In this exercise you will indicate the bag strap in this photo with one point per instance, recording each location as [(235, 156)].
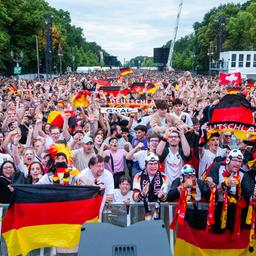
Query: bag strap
[(112, 162)]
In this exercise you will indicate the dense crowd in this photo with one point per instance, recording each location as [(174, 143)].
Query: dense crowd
[(152, 153)]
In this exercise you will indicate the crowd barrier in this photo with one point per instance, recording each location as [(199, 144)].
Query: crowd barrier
[(123, 216)]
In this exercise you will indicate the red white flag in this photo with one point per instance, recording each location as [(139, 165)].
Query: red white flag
[(234, 78)]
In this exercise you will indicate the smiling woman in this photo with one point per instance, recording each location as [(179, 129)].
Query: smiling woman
[(7, 169)]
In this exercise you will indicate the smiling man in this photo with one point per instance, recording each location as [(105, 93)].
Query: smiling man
[(232, 187), (150, 183), (208, 155)]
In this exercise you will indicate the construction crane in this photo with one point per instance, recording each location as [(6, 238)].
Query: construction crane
[(169, 61)]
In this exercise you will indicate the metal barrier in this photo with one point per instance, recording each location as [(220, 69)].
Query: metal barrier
[(120, 215)]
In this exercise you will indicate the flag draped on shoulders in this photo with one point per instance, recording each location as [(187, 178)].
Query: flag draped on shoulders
[(48, 216), (233, 113)]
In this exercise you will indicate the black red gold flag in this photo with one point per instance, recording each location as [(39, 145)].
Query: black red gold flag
[(233, 113), (126, 71), (48, 216)]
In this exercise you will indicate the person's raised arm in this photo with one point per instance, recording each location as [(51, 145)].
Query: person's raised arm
[(163, 141), (130, 155), (29, 136), (184, 143)]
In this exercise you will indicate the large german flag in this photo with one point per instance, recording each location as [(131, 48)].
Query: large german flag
[(193, 242), (48, 216), (233, 114), (126, 71), (110, 90)]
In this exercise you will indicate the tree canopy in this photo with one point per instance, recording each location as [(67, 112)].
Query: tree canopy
[(22, 20)]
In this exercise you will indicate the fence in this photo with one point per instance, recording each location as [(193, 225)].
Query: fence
[(122, 216)]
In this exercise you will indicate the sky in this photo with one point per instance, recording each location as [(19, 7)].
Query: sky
[(127, 29)]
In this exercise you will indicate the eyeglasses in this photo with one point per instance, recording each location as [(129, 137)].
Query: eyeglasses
[(8, 167), (173, 137), (55, 134), (228, 136), (154, 141)]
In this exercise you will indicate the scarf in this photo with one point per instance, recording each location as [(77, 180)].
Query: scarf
[(180, 208), (250, 220), (61, 174), (154, 186), (210, 216), (228, 199)]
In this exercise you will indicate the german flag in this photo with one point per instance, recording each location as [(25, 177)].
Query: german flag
[(138, 88), (125, 92), (61, 104), (79, 99), (233, 113), (110, 90), (126, 71), (12, 90), (152, 87), (55, 119), (191, 241), (103, 82), (233, 90), (48, 216)]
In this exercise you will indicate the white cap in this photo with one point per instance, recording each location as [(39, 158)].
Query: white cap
[(87, 140), (151, 157)]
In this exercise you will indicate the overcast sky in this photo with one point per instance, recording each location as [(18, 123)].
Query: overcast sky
[(127, 29)]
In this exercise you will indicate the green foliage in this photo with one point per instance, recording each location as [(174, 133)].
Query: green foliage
[(22, 20), (142, 61), (239, 33)]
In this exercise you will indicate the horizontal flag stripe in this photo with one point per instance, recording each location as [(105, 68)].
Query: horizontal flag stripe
[(233, 100), (125, 69), (138, 84), (234, 114), (126, 72), (34, 237), (110, 88), (73, 212), (184, 248), (208, 240), (52, 193)]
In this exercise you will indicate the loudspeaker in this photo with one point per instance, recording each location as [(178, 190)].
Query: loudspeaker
[(146, 238), (161, 55)]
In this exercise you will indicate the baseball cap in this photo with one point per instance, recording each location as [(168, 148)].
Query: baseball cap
[(87, 140), (151, 157)]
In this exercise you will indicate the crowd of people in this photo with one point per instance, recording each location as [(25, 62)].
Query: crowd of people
[(152, 153)]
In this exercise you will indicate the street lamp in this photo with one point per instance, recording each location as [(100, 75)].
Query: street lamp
[(210, 54), (60, 54), (17, 58), (48, 46), (220, 25)]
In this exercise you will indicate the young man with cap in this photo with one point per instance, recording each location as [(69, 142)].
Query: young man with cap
[(207, 156), (150, 183), (232, 187), (196, 188), (83, 154), (188, 188)]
